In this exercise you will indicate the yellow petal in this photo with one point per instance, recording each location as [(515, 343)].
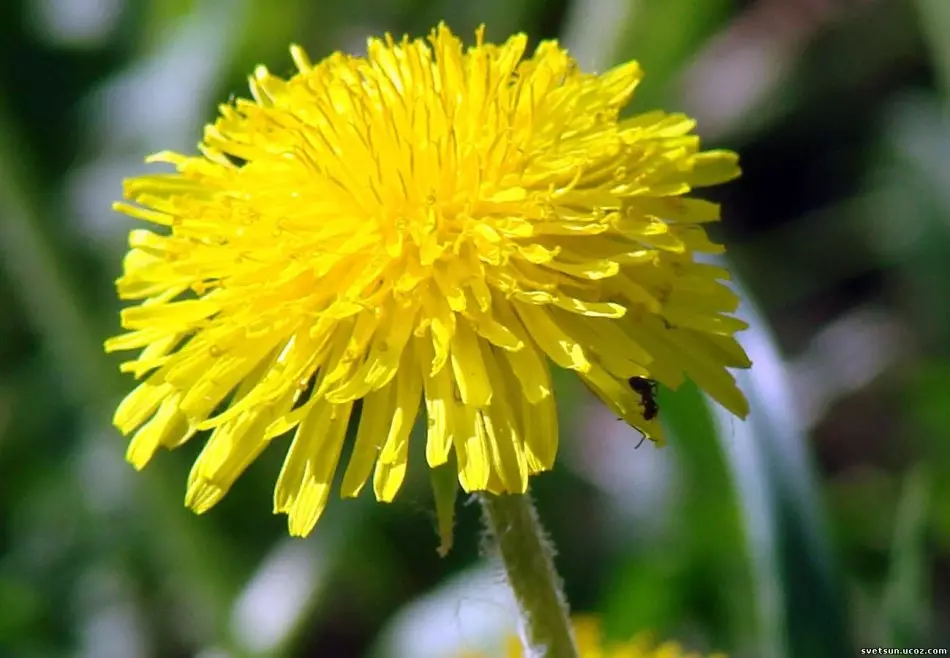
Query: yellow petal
[(439, 389), (560, 348), (468, 437), (311, 498), (712, 167), (167, 427), (469, 368), (502, 432)]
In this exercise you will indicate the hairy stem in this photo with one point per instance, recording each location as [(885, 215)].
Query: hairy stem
[(528, 558)]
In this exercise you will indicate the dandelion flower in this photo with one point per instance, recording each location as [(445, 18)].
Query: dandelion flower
[(590, 644), (426, 225)]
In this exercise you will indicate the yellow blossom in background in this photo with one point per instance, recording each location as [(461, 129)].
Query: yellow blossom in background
[(426, 225), (591, 644)]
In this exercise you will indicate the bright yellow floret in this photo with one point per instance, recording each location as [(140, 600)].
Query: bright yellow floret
[(591, 644), (423, 225)]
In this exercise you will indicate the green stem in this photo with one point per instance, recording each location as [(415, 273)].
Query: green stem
[(934, 22), (528, 558)]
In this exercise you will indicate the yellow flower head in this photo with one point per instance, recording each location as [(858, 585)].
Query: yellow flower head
[(590, 644), (428, 223)]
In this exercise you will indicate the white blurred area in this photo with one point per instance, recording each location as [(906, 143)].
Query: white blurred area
[(279, 594), (159, 102), (591, 33), (111, 625), (74, 23), (640, 481), (843, 358), (473, 612)]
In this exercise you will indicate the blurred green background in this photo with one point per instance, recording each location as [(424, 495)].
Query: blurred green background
[(820, 525)]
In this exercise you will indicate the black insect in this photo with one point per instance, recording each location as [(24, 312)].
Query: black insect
[(647, 390)]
